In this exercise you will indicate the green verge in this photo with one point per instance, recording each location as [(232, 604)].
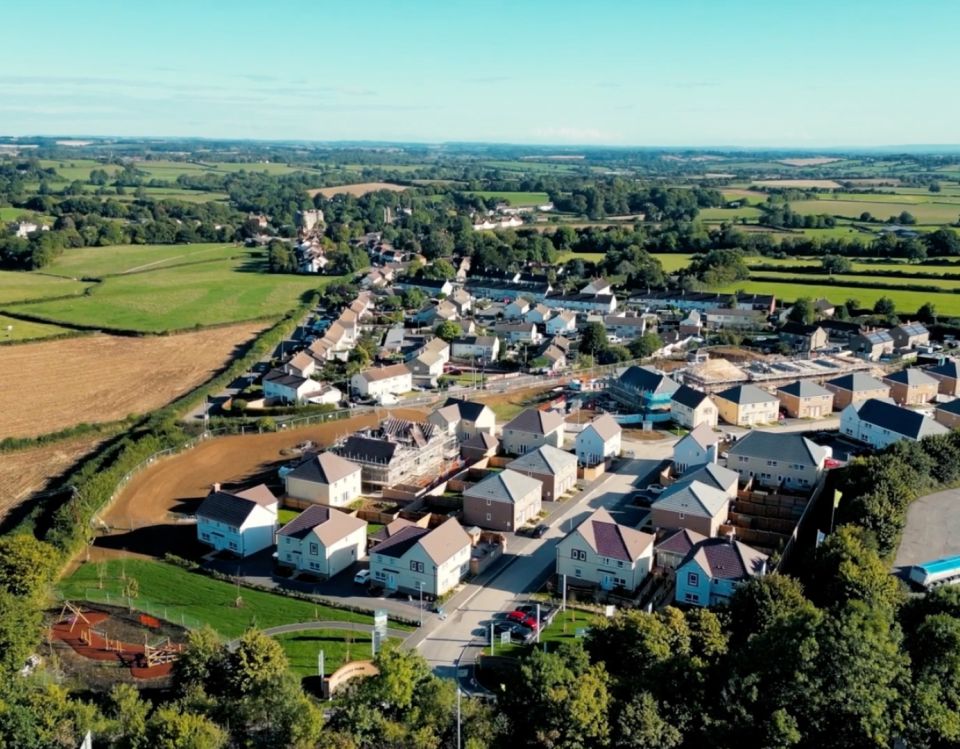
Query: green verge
[(302, 649)]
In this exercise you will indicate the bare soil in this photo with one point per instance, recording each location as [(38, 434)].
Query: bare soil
[(357, 190), (52, 385), (813, 161)]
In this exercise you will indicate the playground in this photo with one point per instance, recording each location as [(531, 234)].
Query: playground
[(111, 636)]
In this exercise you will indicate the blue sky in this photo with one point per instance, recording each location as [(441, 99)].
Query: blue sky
[(672, 72)]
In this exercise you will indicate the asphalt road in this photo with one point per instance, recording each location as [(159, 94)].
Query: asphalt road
[(932, 531)]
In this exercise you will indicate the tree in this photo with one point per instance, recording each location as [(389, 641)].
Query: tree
[(26, 565), (202, 663), (447, 330), (885, 306), (934, 187), (169, 728), (640, 725), (439, 270), (762, 601), (803, 311), (906, 218), (20, 631), (280, 257), (853, 305), (128, 718), (646, 345), (927, 313), (594, 339), (835, 264), (257, 661)]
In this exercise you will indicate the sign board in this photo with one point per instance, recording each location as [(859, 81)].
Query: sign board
[(610, 610), (581, 632), (505, 638)]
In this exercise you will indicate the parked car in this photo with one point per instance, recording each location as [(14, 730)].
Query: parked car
[(362, 577), (642, 499), (655, 488), (540, 530), (530, 609)]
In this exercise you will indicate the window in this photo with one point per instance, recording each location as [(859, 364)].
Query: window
[(693, 579), (771, 462), (314, 549), (578, 572), (620, 581), (691, 598), (416, 566), (620, 563), (314, 565), (681, 515), (488, 517), (578, 554), (233, 545), (205, 536), (489, 502)]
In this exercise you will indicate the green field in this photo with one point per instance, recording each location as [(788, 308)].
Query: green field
[(587, 257), (729, 214), (302, 649), (943, 283), (673, 261), (514, 198), (21, 330), (19, 287), (199, 598), (925, 213), (97, 262), (9, 213), (181, 297)]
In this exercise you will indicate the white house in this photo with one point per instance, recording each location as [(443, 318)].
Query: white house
[(530, 429), (714, 568), (322, 541), (599, 440), (517, 309), (597, 286), (464, 418), (416, 559), (605, 553), (242, 523), (605, 303), (395, 379), (690, 408), (518, 332), (564, 321), (288, 388), (696, 448), (538, 314), (326, 479), (881, 422), (476, 347)]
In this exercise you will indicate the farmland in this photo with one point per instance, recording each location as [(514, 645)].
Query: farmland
[(942, 212), (729, 214), (800, 184), (516, 199), (12, 329), (102, 378), (21, 287), (97, 262), (357, 189)]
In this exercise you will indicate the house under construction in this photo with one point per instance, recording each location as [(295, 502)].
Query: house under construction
[(398, 452)]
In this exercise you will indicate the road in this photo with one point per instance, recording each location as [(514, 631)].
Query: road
[(529, 563)]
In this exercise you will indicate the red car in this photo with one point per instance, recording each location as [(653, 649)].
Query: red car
[(523, 618)]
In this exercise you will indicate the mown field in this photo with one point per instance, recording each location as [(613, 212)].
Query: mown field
[(947, 284), (9, 213), (514, 198), (925, 213), (18, 287), (181, 297), (12, 329), (97, 262)]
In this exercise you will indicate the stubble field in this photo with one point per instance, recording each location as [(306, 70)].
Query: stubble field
[(358, 189)]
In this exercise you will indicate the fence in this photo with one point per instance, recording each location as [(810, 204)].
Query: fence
[(174, 614)]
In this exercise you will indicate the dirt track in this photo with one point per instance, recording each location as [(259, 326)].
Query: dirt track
[(51, 385), (177, 484)]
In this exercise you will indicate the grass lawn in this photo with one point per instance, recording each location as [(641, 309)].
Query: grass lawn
[(285, 515), (18, 287), (201, 599), (907, 283), (338, 647), (562, 629), (729, 214), (374, 528), (183, 297), (21, 330), (673, 261), (587, 257), (9, 213), (514, 198), (96, 262)]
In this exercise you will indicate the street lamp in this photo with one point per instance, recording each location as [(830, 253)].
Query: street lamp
[(420, 586)]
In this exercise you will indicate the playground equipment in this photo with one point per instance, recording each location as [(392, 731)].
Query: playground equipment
[(161, 653), (73, 614)]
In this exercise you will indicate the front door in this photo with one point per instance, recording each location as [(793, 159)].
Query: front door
[(606, 582)]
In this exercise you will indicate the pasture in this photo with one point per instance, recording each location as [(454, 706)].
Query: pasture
[(588, 257), (12, 329), (16, 286), (752, 197), (357, 189), (729, 214), (944, 212), (9, 213), (800, 184), (942, 283), (181, 297), (102, 378), (515, 199), (98, 262)]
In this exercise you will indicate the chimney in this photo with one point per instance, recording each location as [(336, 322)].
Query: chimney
[(216, 486)]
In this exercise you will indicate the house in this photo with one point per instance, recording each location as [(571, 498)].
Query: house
[(823, 308), (948, 414), (872, 344), (564, 321), (947, 374), (714, 568), (597, 286), (643, 389), (461, 300), (805, 338), (626, 327), (550, 359), (421, 560), (288, 388), (912, 386), (855, 388), (397, 450), (691, 504), (840, 331), (325, 479), (691, 325), (605, 553), (241, 523), (696, 448), (474, 347), (530, 429), (518, 332), (669, 553), (427, 367), (715, 476), (322, 541), (910, 335), (429, 286), (599, 440), (734, 317), (479, 446), (517, 309), (880, 423), (605, 303), (467, 327), (805, 400), (747, 405), (301, 364), (555, 469), (774, 459), (538, 314), (493, 289), (395, 379), (433, 313), (692, 408), (464, 418), (502, 501)]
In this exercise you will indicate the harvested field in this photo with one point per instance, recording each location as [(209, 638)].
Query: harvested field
[(177, 484), (813, 161), (357, 190), (827, 184), (103, 378), (507, 405), (27, 471)]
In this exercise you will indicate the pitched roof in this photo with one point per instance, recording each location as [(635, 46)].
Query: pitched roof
[(445, 540), (325, 468), (506, 486), (680, 541), (482, 441), (234, 508), (536, 422), (713, 475), (912, 328), (693, 498), (798, 328), (285, 379), (688, 396), (742, 394), (728, 560), (368, 449), (391, 529), (876, 337), (949, 368), (788, 447), (384, 373), (703, 435), (401, 542), (468, 410), (857, 382), (804, 389), (605, 426), (952, 407), (888, 415), (912, 377), (647, 379), (546, 459), (610, 539), (329, 525)]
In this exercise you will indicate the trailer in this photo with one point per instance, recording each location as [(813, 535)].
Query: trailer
[(945, 571)]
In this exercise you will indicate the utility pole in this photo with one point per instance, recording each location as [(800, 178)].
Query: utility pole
[(320, 665), (564, 606), (459, 693), (538, 623), (420, 586), (492, 645)]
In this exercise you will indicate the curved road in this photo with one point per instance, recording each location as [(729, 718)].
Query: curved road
[(284, 629)]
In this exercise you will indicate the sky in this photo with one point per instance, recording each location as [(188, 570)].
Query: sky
[(792, 73)]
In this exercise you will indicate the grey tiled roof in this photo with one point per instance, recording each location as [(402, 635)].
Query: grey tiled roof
[(506, 486), (787, 447)]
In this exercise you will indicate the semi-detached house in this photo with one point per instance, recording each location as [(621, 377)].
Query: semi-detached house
[(322, 541), (418, 559), (775, 459), (395, 379), (502, 501), (530, 429), (714, 568), (605, 553), (556, 469)]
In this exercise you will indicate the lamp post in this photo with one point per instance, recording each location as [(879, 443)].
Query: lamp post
[(420, 587), (459, 693)]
